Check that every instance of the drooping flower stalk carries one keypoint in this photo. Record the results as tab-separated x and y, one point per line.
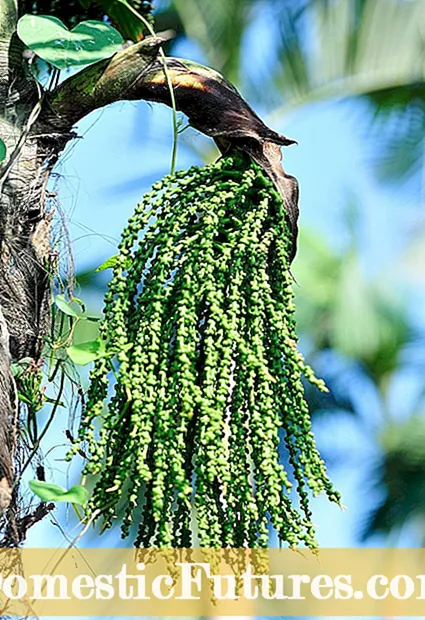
199	400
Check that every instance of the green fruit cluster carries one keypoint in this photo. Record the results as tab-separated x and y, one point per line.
202	389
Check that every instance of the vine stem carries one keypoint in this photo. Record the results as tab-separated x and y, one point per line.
74	542
47	425
170	88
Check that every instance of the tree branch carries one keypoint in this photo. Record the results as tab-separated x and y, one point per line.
7	423
8	18
212	104
107	81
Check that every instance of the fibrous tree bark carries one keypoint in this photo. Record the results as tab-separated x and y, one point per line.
35	129
36	126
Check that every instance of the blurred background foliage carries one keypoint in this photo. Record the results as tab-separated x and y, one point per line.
361	328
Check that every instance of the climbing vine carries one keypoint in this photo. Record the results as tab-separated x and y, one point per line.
199	382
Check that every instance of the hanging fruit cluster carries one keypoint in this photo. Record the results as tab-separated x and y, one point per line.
198	401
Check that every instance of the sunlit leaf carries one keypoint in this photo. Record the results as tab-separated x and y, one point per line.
350	49
49	38
219	27
2	151
340	308
67	307
86	352
109	263
52	493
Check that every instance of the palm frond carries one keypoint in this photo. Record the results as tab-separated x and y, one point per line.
349	49
400	131
218	27
340	308
401	474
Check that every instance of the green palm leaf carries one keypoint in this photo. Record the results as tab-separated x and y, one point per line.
218	27
401	474
340	308
350	49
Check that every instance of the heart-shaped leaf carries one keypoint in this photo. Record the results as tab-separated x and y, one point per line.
87	352
67	307
50	39
2	150
52	493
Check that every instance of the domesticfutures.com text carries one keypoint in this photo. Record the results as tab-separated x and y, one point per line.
196	581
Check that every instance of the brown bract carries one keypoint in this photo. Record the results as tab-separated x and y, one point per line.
212	104
215	107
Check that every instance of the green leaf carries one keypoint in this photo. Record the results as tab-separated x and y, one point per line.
126	18
360	48
109	263
2	151
400	476
52	493
24	399
86	352
90	41
66	307
219	27
18	368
